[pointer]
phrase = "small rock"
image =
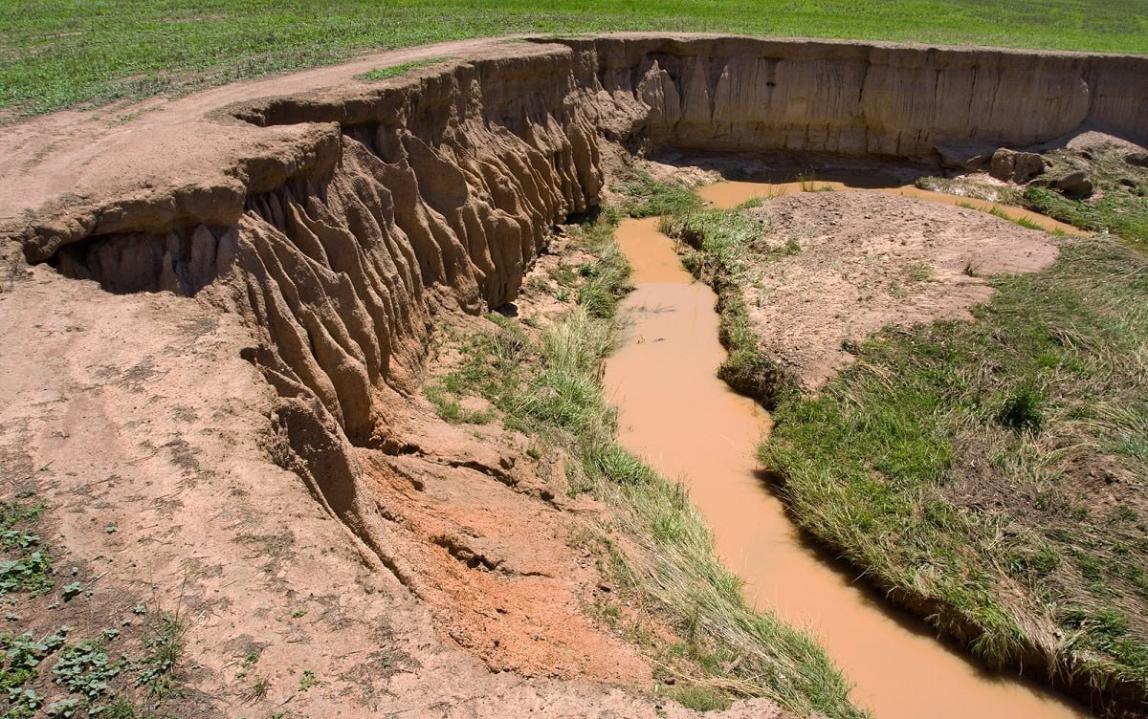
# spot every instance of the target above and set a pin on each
(1012, 166)
(1137, 159)
(1074, 184)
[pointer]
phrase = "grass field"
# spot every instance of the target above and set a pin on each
(57, 54)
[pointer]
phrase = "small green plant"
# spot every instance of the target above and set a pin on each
(699, 698)
(385, 73)
(918, 272)
(307, 681)
(71, 590)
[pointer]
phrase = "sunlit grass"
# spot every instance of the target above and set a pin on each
(58, 53)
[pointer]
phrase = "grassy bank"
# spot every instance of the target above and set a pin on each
(1120, 206)
(546, 383)
(59, 54)
(999, 466)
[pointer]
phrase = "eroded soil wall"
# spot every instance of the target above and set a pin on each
(339, 222)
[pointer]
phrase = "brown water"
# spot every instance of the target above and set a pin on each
(692, 428)
(725, 195)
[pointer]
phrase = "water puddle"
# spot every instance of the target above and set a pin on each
(729, 194)
(691, 427)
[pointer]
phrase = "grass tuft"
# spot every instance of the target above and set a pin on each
(385, 73)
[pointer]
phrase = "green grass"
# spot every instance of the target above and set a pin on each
(646, 197)
(719, 246)
(1000, 465)
(1121, 206)
(547, 384)
(385, 73)
(59, 53)
(1019, 221)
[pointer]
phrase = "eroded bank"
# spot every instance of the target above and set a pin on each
(335, 220)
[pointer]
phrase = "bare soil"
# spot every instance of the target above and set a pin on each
(142, 412)
(844, 264)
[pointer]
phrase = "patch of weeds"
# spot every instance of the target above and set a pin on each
(307, 681)
(451, 410)
(385, 73)
(646, 197)
(22, 656)
(1022, 409)
(605, 282)
(119, 709)
(156, 671)
(86, 669)
(26, 566)
(808, 183)
(699, 697)
(918, 271)
(29, 573)
(63, 708)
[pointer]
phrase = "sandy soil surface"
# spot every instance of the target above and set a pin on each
(844, 264)
(136, 412)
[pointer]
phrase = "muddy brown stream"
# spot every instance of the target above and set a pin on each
(676, 413)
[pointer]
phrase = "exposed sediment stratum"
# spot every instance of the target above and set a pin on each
(322, 223)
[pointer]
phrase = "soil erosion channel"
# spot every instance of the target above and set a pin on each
(692, 428)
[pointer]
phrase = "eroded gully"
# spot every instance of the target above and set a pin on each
(676, 413)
